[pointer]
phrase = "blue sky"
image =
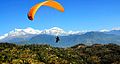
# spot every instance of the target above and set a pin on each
(78, 15)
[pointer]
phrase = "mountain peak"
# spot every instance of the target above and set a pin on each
(116, 28)
(29, 35)
(30, 31)
(54, 31)
(20, 33)
(56, 28)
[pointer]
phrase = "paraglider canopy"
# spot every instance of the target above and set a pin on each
(49, 0)
(50, 3)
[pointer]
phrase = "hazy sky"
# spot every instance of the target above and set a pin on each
(78, 15)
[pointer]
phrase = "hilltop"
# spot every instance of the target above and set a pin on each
(46, 54)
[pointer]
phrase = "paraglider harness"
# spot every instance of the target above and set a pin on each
(57, 39)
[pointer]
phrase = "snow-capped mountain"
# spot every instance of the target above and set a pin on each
(59, 32)
(54, 31)
(22, 34)
(88, 38)
(47, 36)
(30, 32)
(115, 31)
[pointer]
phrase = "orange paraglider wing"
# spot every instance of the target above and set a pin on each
(52, 4)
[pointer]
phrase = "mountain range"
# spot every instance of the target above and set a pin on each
(67, 39)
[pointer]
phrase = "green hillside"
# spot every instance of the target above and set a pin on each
(45, 54)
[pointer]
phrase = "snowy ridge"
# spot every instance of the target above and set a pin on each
(24, 33)
(106, 30)
(20, 33)
(30, 32)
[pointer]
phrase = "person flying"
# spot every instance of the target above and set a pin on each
(57, 39)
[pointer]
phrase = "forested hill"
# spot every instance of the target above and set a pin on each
(45, 54)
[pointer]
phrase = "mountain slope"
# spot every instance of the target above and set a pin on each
(115, 32)
(67, 39)
(26, 34)
(70, 40)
